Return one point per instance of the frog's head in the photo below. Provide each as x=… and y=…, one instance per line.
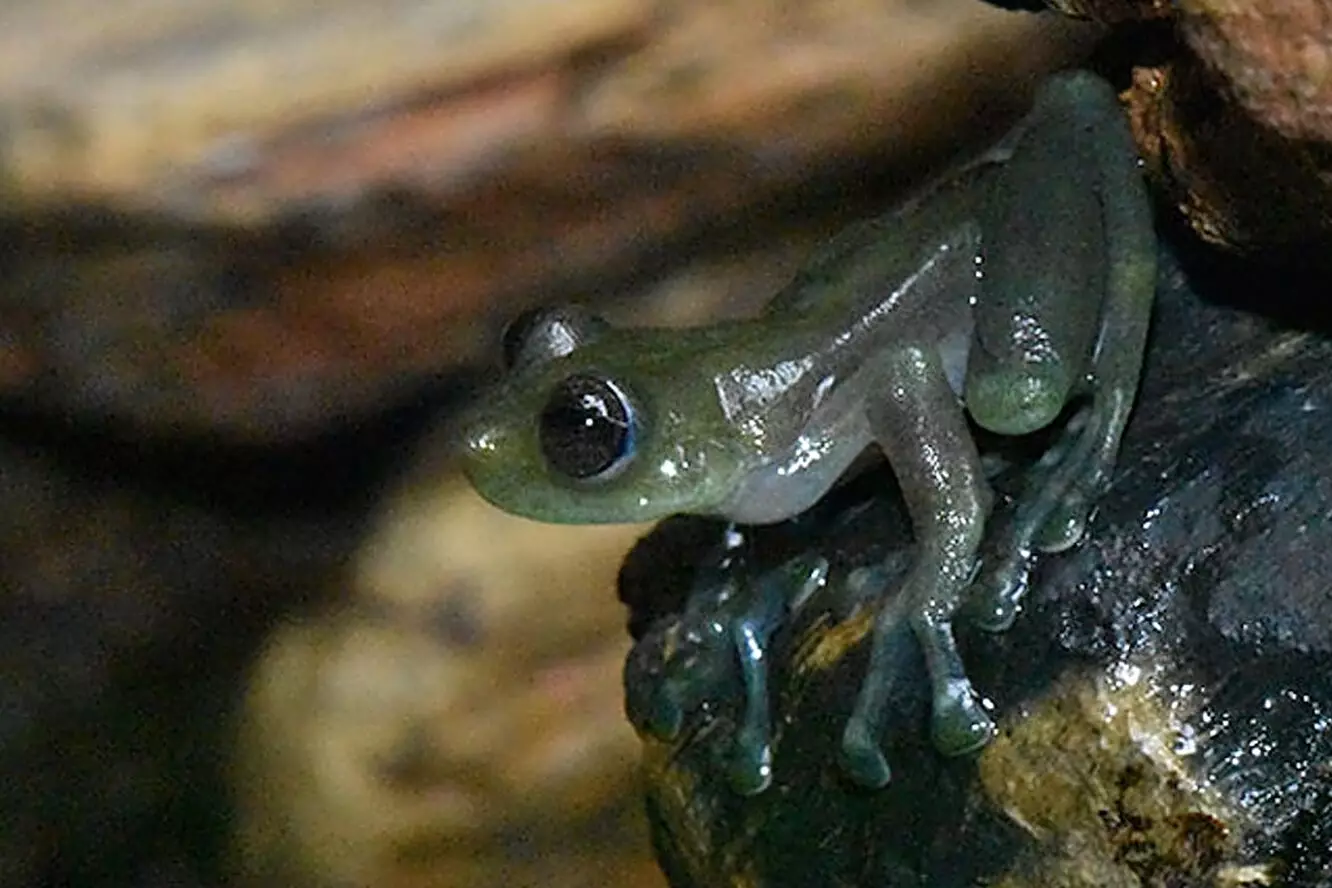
x=596, y=426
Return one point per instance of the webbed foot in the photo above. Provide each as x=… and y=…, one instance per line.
x=959, y=723
x=664, y=717
x=750, y=769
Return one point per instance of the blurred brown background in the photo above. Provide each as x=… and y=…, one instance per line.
x=255, y=254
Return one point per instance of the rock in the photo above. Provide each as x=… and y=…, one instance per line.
x=1113, y=11
x=1234, y=115
x=1275, y=61
x=1164, y=699
x=244, y=112
x=234, y=109
x=260, y=221
x=455, y=716
x=1236, y=179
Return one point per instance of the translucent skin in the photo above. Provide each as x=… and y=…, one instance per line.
x=1022, y=283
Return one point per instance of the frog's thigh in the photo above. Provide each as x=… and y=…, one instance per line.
x=1043, y=269
x=1052, y=512
x=1068, y=270
x=1075, y=303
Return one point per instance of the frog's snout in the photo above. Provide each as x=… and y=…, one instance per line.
x=478, y=439
x=489, y=452
x=481, y=447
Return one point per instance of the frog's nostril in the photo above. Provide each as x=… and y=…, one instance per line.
x=477, y=438
x=481, y=442
x=481, y=456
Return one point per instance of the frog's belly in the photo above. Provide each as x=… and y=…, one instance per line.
x=798, y=477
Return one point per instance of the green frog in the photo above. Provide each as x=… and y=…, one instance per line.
x=1018, y=292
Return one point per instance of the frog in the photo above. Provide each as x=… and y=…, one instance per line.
x=1010, y=298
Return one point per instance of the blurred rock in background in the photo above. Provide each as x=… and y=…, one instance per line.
x=454, y=720
x=1232, y=110
x=336, y=201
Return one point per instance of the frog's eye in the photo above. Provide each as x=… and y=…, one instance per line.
x=541, y=334
x=587, y=428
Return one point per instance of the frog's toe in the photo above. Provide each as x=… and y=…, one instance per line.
x=994, y=610
x=664, y=716
x=862, y=758
x=751, y=763
x=996, y=596
x=960, y=723
x=1064, y=526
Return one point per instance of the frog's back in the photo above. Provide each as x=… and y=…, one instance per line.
x=903, y=269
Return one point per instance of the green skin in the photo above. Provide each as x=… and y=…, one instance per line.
x=1020, y=284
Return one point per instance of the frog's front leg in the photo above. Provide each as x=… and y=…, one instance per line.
x=776, y=595
x=729, y=619
x=1069, y=276
x=917, y=420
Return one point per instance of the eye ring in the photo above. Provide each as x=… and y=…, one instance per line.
x=588, y=428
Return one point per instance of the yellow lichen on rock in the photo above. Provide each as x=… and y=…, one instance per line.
x=1097, y=772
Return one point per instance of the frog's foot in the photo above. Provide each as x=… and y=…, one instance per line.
x=1050, y=515
x=698, y=653
x=685, y=688
x=1072, y=476
x=862, y=759
x=729, y=620
x=997, y=591
x=698, y=663
x=750, y=765
x=960, y=724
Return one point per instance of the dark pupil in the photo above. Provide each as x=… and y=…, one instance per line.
x=585, y=427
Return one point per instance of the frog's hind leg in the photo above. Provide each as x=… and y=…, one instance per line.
x=1045, y=516
x=1087, y=204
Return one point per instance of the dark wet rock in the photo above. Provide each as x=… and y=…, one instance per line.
x=1164, y=699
